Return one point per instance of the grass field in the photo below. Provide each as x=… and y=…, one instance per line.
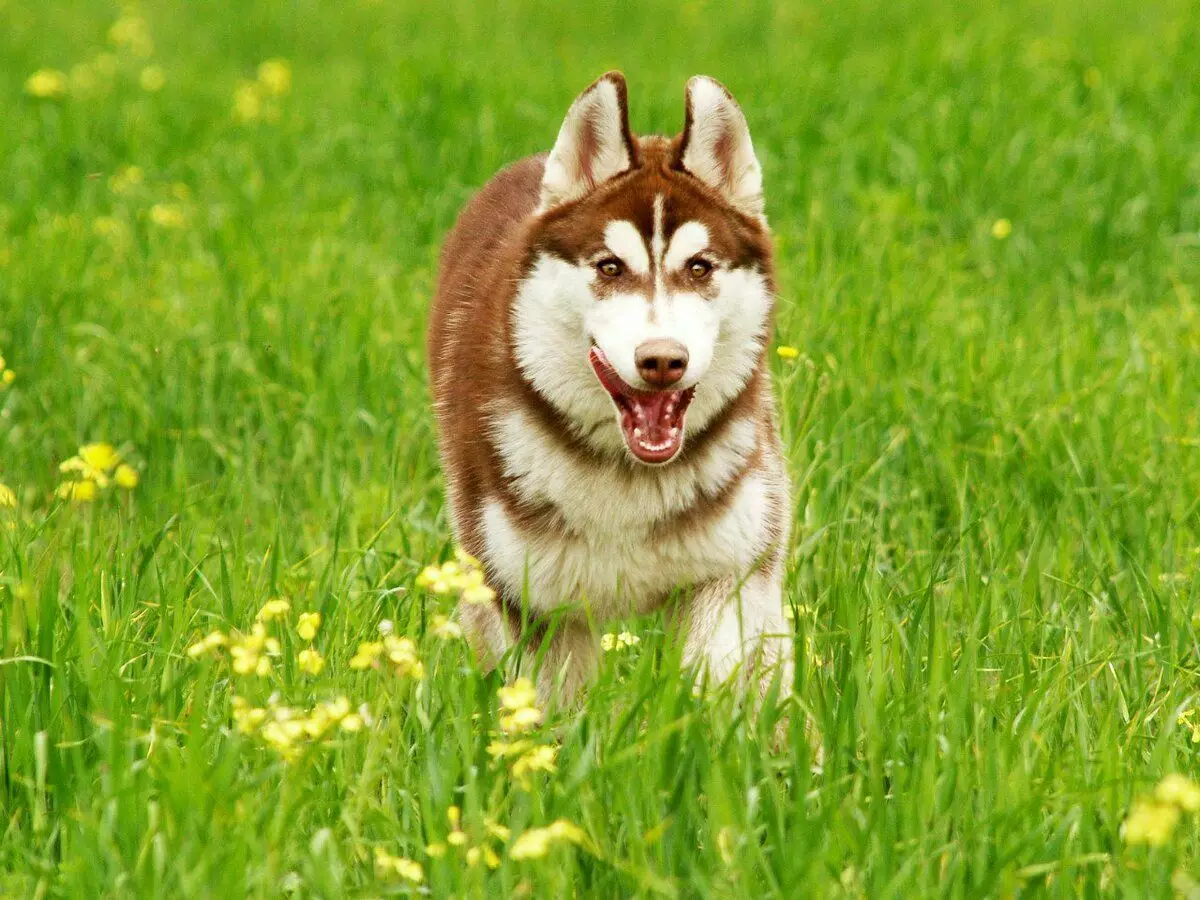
x=988, y=226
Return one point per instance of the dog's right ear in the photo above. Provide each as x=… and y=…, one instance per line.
x=594, y=143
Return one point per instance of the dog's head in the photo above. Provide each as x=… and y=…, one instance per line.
x=649, y=284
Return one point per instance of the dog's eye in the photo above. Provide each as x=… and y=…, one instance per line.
x=610, y=267
x=699, y=269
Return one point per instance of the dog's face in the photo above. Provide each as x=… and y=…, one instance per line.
x=649, y=281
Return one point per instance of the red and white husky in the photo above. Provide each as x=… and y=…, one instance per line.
x=605, y=410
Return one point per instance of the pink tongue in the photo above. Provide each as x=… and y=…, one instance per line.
x=651, y=416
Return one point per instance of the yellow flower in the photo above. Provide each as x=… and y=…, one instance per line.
x=539, y=759
x=46, y=84
x=1001, y=229
x=485, y=854
x=126, y=477
x=500, y=749
x=247, y=718
x=783, y=351
x=103, y=457
x=386, y=864
x=7, y=496
x=368, y=652
x=428, y=576
x=211, y=641
x=402, y=653
x=1092, y=78
x=307, y=625
x=520, y=694
x=310, y=661
x=130, y=32
x=536, y=842
x=1150, y=822
x=247, y=101
x=8, y=376
x=276, y=76
x=521, y=720
x=272, y=610
x=126, y=179
x=152, y=79
x=478, y=594
x=77, y=491
x=620, y=641
x=352, y=722
x=167, y=215
x=445, y=628
x=1178, y=790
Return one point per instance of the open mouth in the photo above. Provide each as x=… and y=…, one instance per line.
x=651, y=421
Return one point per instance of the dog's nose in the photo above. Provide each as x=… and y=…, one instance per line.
x=661, y=362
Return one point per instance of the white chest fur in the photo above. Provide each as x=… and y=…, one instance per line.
x=628, y=540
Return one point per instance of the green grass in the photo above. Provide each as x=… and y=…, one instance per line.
x=994, y=451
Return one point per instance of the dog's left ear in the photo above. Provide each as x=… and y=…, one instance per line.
x=716, y=145
x=594, y=143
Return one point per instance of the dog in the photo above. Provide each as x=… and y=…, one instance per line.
x=605, y=411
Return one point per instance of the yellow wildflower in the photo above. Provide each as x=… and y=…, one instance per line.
x=445, y=628
x=1178, y=790
x=247, y=718
x=1150, y=822
x=102, y=457
x=168, y=215
x=307, y=625
x=77, y=491
x=386, y=864
x=484, y=854
x=428, y=576
x=46, y=84
x=500, y=749
x=402, y=653
x=610, y=641
x=248, y=652
x=496, y=830
x=126, y=477
x=520, y=694
x=152, y=79
x=783, y=351
x=310, y=661
x=352, y=722
x=1001, y=229
x=8, y=376
x=478, y=594
x=7, y=496
x=276, y=76
x=536, y=842
x=126, y=179
x=272, y=610
x=368, y=652
x=521, y=720
x=247, y=101
x=539, y=759
x=130, y=32
x=211, y=641
x=436, y=850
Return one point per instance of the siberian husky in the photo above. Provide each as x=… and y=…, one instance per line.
x=606, y=415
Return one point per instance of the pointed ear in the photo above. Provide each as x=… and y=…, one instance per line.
x=716, y=145
x=593, y=145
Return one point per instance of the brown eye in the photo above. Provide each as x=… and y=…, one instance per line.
x=610, y=268
x=700, y=269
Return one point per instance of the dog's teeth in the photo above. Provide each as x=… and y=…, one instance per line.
x=674, y=432
x=637, y=432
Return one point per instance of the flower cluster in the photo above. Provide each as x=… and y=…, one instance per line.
x=457, y=838
x=399, y=652
x=258, y=99
x=387, y=865
x=1152, y=819
x=518, y=707
x=288, y=731
x=536, y=842
x=251, y=653
x=622, y=641
x=519, y=714
x=95, y=468
x=462, y=575
x=130, y=37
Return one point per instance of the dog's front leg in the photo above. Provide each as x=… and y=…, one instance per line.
x=736, y=626
x=566, y=650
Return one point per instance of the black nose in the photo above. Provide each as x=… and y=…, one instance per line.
x=661, y=362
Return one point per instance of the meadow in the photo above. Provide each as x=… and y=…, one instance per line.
x=222, y=672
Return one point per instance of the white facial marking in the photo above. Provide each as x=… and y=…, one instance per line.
x=625, y=242
x=689, y=239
